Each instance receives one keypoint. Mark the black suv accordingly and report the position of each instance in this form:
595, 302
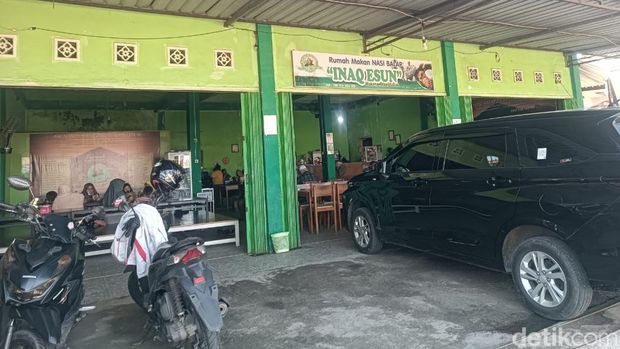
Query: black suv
534, 195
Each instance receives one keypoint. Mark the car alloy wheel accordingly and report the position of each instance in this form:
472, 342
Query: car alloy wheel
361, 231
543, 279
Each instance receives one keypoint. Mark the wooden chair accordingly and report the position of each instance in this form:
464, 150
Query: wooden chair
339, 187
305, 208
322, 200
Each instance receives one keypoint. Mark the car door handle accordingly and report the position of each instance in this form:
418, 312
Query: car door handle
498, 180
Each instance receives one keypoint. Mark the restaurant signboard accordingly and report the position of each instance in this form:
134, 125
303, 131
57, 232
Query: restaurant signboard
313, 69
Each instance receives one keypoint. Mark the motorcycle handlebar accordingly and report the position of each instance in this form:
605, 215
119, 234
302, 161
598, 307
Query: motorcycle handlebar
7, 208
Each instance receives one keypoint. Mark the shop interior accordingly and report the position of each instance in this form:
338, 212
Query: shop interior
488, 108
339, 137
365, 129
67, 138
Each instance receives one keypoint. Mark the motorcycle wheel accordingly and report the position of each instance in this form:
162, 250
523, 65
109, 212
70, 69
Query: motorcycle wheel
210, 340
133, 285
24, 339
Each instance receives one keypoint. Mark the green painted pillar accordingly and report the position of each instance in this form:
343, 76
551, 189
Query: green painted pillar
326, 123
193, 139
273, 180
466, 108
449, 107
575, 82
3, 119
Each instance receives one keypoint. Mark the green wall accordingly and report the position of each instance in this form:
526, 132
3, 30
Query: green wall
15, 109
175, 122
35, 64
286, 39
21, 148
403, 115
308, 137
218, 131
508, 60
307, 133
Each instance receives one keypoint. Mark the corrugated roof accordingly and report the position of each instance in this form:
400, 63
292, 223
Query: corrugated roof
589, 27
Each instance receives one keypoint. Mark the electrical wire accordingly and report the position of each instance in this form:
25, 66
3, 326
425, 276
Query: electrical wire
318, 37
378, 7
98, 36
54, 31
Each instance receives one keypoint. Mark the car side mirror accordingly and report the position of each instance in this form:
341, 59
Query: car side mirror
19, 183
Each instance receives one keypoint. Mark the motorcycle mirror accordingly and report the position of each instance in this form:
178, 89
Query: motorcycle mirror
19, 183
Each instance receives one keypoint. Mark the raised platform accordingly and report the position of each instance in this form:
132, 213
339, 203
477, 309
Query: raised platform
200, 224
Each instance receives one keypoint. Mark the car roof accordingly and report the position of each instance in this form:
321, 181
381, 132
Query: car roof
538, 120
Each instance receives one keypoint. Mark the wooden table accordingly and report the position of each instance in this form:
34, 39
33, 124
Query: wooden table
230, 187
303, 191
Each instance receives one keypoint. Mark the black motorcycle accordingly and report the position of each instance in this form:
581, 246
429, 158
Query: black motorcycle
181, 296
179, 293
40, 301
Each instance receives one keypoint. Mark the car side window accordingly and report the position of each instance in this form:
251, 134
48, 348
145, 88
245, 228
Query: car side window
417, 158
547, 149
481, 152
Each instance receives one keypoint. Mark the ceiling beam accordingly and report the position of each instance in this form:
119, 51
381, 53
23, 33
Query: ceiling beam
243, 10
424, 14
549, 31
594, 4
590, 49
592, 59
374, 45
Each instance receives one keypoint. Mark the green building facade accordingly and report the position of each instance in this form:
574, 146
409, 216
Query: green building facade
58, 45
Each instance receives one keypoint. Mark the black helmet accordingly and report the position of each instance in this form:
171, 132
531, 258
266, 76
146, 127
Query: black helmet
166, 176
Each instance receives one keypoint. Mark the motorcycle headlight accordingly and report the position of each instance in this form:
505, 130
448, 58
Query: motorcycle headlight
34, 294
8, 257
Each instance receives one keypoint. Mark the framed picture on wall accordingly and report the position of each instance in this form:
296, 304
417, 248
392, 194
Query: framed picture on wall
370, 154
391, 135
397, 139
234, 148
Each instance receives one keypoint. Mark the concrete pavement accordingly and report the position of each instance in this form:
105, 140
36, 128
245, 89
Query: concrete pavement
327, 295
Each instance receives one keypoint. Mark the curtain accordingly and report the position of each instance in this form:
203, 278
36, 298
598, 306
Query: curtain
253, 159
290, 202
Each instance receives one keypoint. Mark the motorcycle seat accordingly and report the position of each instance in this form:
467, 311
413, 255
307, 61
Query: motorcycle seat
171, 247
163, 249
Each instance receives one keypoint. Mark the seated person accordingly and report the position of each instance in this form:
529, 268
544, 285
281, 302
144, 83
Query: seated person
238, 178
217, 175
207, 181
127, 188
239, 202
227, 178
115, 189
145, 196
305, 176
50, 197
91, 196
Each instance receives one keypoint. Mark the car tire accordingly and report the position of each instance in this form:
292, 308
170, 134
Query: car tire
364, 232
27, 340
550, 278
